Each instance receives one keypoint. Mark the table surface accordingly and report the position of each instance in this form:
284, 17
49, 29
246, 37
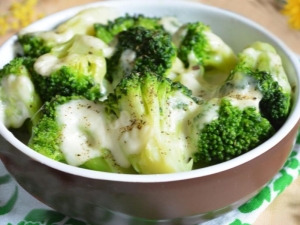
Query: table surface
286, 208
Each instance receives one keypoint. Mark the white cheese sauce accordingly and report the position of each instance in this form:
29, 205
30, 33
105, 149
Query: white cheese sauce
132, 134
178, 132
179, 35
127, 59
85, 132
15, 100
273, 64
245, 93
192, 77
217, 44
179, 108
267, 61
92, 45
243, 103
170, 24
46, 64
208, 113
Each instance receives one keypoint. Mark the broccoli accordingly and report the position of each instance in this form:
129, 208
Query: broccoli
139, 49
141, 95
108, 31
76, 67
226, 128
150, 111
249, 107
35, 44
260, 70
170, 24
72, 130
199, 46
151, 116
203, 60
18, 96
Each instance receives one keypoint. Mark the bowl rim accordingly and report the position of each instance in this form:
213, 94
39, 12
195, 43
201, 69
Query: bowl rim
154, 178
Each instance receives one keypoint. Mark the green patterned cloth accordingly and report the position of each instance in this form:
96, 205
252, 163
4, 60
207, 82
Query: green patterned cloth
17, 207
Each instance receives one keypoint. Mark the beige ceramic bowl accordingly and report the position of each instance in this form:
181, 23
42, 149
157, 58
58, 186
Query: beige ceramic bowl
182, 198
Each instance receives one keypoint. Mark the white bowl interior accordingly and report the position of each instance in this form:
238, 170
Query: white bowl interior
235, 30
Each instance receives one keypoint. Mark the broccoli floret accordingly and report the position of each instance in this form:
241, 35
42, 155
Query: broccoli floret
18, 96
260, 69
108, 32
76, 67
138, 50
151, 116
250, 107
72, 130
35, 44
226, 128
203, 60
199, 46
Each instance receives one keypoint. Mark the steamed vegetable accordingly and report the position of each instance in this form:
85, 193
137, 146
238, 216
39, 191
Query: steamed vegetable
73, 130
18, 96
261, 67
153, 115
139, 94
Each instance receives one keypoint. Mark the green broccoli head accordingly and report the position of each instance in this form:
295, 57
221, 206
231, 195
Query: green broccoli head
151, 119
73, 130
108, 32
226, 128
275, 103
35, 44
18, 96
76, 67
198, 45
138, 50
260, 69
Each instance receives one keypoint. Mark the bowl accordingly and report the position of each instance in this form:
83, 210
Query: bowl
180, 198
